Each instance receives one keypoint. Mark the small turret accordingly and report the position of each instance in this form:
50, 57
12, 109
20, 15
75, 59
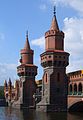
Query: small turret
5, 88
5, 84
27, 45
9, 83
27, 53
27, 72
9, 89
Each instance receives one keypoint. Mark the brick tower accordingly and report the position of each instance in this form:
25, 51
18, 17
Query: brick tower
27, 72
9, 90
54, 61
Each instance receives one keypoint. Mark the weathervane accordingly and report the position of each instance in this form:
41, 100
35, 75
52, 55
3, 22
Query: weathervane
54, 10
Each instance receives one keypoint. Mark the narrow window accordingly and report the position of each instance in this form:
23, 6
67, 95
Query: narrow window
79, 89
75, 89
46, 77
70, 89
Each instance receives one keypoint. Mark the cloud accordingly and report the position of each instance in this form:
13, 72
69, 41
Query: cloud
73, 29
43, 7
39, 42
75, 4
6, 71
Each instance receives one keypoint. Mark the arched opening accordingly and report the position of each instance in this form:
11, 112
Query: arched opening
75, 89
46, 77
70, 89
77, 107
79, 89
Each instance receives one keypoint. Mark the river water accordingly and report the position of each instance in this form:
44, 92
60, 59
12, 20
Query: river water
16, 114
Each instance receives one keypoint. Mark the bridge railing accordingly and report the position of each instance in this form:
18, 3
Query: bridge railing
75, 93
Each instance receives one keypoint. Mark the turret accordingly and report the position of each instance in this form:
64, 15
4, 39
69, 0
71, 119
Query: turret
54, 61
5, 85
5, 89
9, 89
26, 53
54, 38
27, 72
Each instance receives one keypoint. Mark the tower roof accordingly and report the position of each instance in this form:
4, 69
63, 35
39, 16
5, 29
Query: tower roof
54, 24
5, 83
27, 45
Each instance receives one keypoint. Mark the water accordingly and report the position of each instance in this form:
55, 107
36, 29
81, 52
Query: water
16, 114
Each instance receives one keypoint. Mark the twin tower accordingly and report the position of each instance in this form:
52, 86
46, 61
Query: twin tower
54, 81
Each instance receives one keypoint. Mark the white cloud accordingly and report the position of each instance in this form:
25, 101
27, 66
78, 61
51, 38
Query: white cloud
7, 71
43, 7
75, 4
39, 42
73, 29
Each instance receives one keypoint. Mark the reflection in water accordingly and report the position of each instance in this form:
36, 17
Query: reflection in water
16, 114
75, 116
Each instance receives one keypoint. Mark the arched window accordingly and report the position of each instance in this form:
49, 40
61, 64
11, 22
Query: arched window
75, 89
70, 89
46, 78
79, 89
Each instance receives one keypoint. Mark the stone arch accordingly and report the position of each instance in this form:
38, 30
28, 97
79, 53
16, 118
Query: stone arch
46, 77
76, 107
75, 89
73, 100
79, 88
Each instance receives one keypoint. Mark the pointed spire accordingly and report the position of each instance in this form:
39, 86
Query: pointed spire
5, 83
27, 45
54, 24
10, 81
54, 11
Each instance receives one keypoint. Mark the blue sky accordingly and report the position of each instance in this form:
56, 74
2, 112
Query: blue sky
18, 16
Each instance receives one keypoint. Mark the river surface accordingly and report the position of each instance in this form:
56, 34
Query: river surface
16, 114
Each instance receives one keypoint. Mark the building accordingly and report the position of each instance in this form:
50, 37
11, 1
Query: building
27, 72
75, 86
11, 92
22, 94
54, 61
56, 90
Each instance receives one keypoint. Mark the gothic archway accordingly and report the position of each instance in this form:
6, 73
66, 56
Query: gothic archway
75, 89
80, 89
70, 89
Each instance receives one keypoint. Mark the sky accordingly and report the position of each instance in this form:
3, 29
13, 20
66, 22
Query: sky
18, 16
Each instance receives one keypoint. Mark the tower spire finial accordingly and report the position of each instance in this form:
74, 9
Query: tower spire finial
54, 24
54, 10
27, 34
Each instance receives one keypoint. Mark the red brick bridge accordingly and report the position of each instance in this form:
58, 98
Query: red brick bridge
75, 102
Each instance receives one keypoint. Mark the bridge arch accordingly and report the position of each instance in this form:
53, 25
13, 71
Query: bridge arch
74, 100
76, 107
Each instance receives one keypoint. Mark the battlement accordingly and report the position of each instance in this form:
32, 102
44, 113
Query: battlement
53, 33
